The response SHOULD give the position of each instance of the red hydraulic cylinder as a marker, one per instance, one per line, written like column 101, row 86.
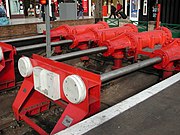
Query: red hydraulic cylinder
column 65, row 30
column 137, row 41
column 100, row 35
column 171, row 58
column 7, row 73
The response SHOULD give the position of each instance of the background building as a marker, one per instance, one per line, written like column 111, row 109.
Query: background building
column 138, row 10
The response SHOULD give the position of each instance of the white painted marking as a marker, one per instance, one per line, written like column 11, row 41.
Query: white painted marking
column 98, row 119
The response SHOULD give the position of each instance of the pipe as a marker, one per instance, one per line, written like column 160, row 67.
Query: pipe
column 23, row 39
column 76, row 54
column 128, row 69
column 37, row 46
column 158, row 16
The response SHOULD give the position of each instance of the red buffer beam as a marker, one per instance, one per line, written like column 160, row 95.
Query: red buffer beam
column 47, row 80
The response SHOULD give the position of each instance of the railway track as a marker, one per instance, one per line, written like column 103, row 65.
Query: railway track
column 109, row 92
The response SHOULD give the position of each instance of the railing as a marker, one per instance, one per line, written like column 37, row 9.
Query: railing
column 142, row 25
column 112, row 22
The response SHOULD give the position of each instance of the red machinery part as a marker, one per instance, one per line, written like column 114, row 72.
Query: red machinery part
column 99, row 35
column 80, row 89
column 138, row 41
column 135, row 42
column 7, row 73
column 117, row 60
column 65, row 30
column 171, row 58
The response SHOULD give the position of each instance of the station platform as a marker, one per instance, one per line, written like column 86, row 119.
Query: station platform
column 154, row 111
column 158, row 115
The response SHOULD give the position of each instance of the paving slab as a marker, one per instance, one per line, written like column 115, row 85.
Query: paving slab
column 158, row 115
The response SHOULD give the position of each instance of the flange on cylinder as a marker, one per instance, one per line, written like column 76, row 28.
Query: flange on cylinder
column 169, row 54
column 168, row 34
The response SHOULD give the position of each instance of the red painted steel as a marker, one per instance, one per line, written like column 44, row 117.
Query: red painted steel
column 65, row 30
column 135, row 42
column 30, row 102
column 171, row 58
column 105, row 10
column 99, row 35
column 117, row 60
column 138, row 41
column 7, row 73
column 158, row 16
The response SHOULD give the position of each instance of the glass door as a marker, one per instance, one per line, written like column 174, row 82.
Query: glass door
column 134, row 10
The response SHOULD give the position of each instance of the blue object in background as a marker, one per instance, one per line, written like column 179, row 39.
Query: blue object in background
column 4, row 21
column 3, row 18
